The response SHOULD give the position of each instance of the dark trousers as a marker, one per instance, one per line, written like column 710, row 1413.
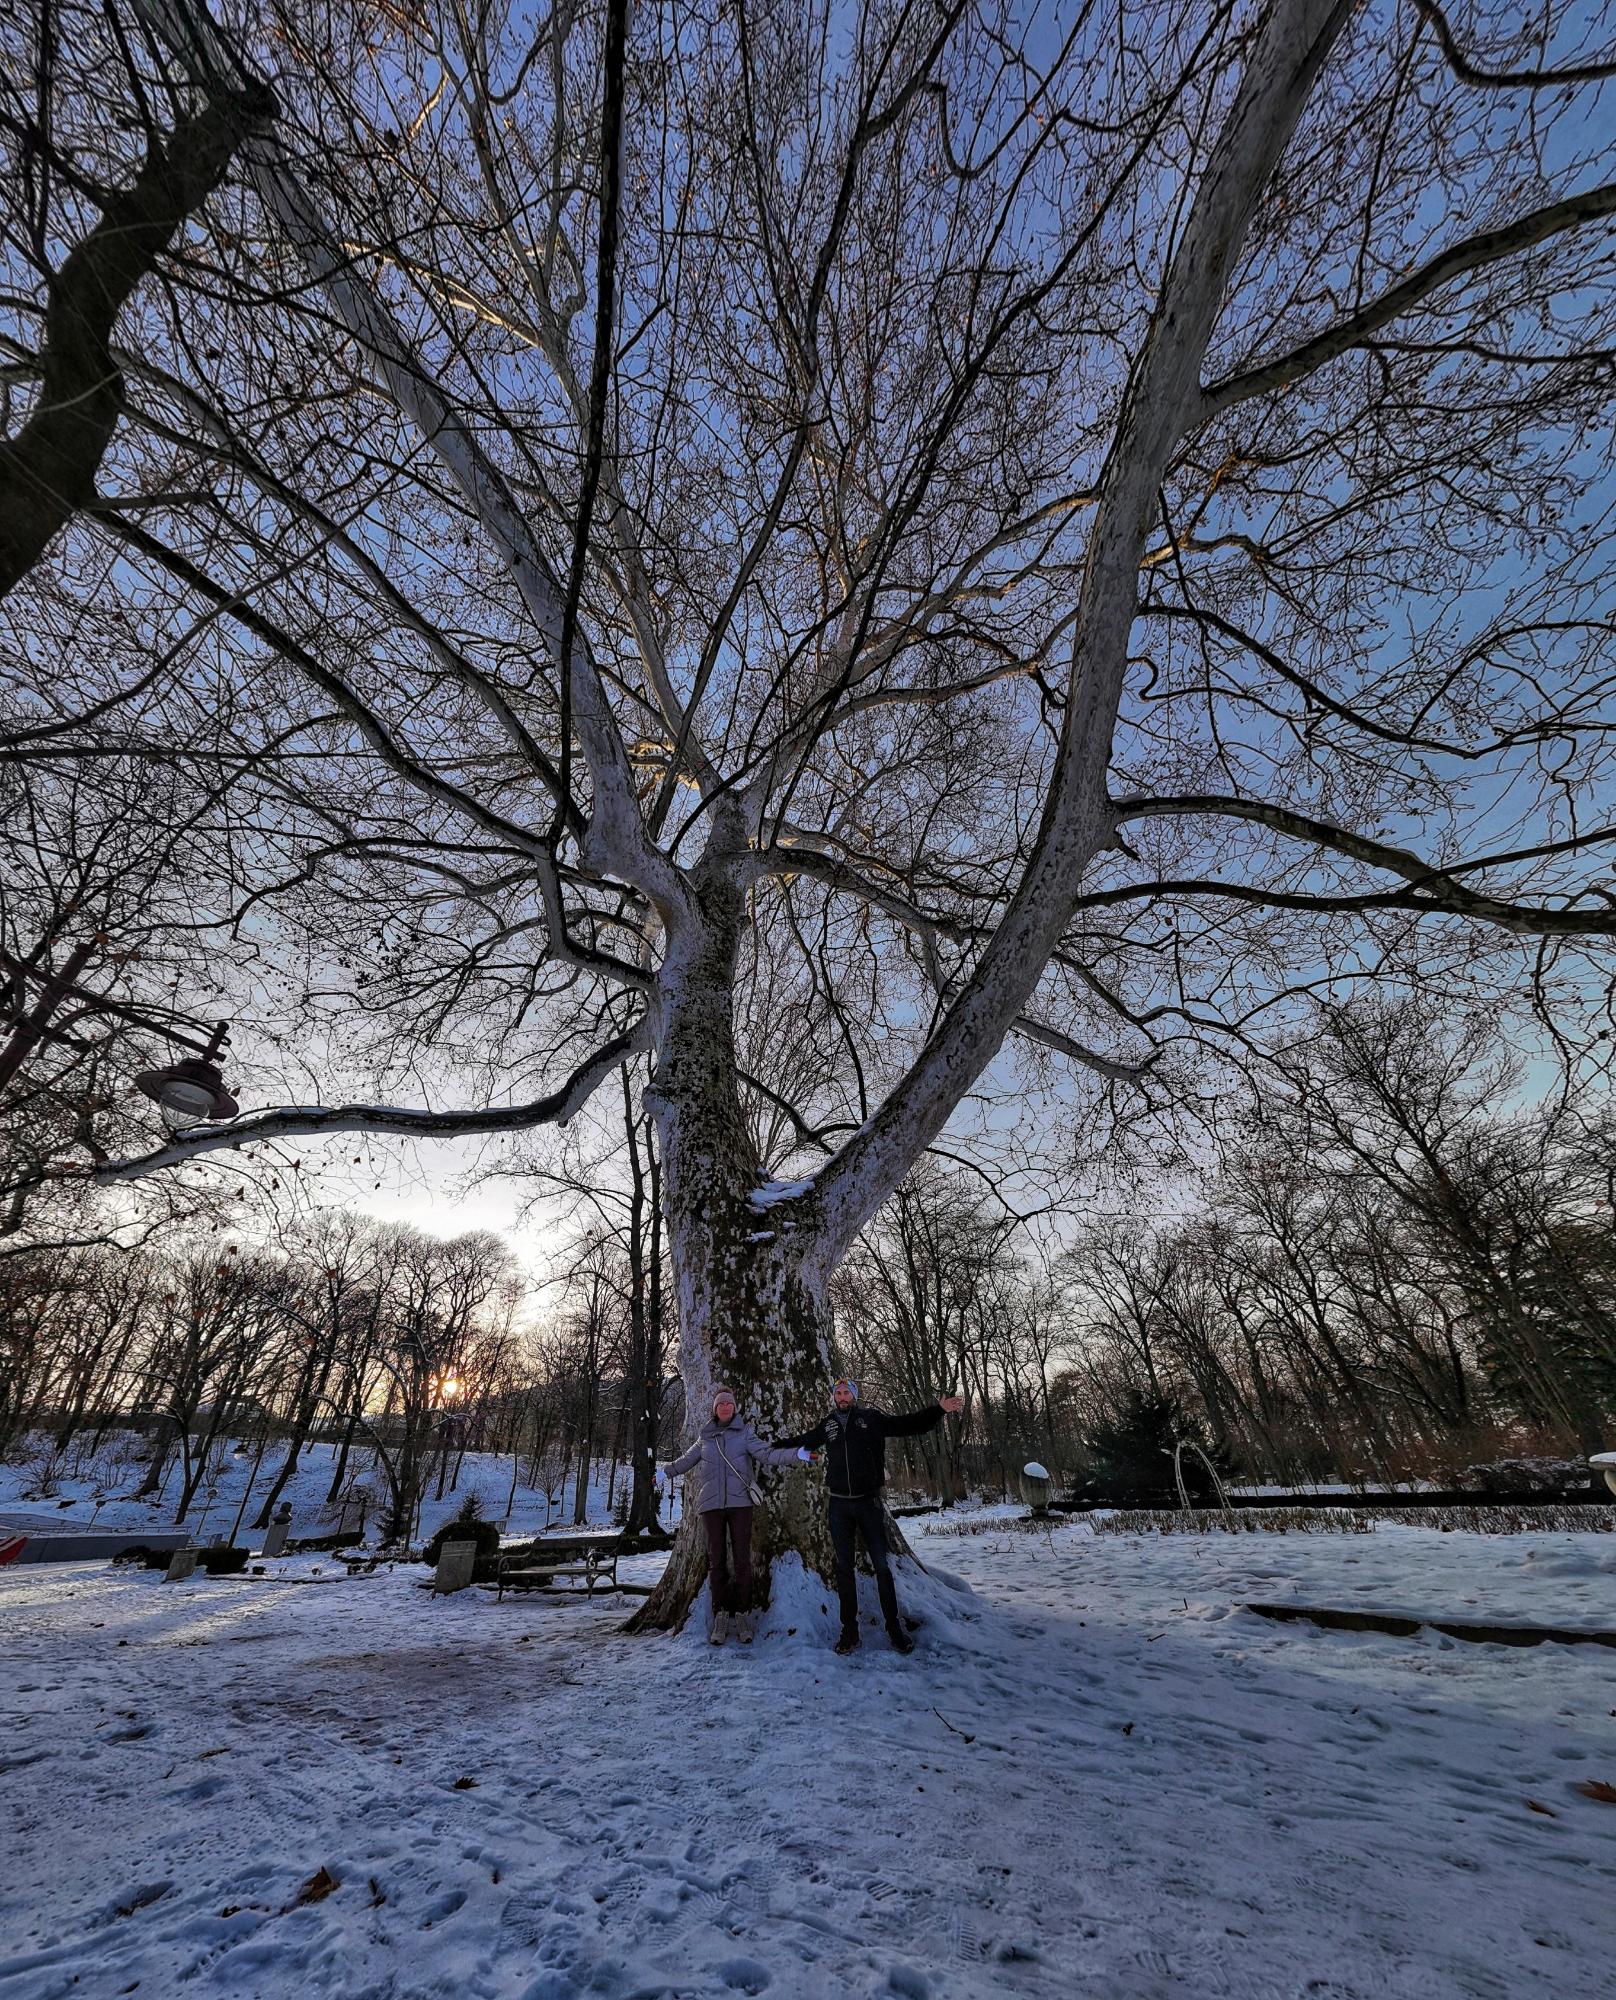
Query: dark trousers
column 730, row 1593
column 848, row 1519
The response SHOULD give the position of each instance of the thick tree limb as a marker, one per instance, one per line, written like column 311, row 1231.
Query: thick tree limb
column 611, row 174
column 1438, row 890
column 315, row 1121
column 1162, row 399
column 48, row 470
column 1473, row 253
column 1110, row 1067
column 1507, row 79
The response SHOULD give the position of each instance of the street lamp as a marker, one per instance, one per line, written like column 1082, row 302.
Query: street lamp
column 190, row 1090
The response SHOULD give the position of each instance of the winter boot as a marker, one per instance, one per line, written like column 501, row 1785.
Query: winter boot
column 743, row 1627
column 899, row 1639
column 849, row 1641
column 718, row 1631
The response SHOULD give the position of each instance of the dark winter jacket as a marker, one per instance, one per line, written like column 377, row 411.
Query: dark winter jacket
column 855, row 1446
column 730, row 1456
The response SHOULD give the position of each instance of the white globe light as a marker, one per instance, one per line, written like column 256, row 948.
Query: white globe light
column 191, row 1100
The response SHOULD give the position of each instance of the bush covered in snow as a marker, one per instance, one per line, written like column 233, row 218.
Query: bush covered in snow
column 467, row 1525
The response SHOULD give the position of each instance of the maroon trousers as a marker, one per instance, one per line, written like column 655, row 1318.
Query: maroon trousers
column 734, row 1524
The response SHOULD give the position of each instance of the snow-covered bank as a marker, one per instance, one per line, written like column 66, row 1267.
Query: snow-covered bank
column 1096, row 1776
column 101, row 1489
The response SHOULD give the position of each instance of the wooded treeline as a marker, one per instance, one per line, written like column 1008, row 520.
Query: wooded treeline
column 402, row 1350
column 1396, row 1270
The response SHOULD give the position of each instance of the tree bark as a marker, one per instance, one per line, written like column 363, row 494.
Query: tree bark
column 751, row 1305
column 340, row 1468
column 48, row 470
column 305, row 1404
column 643, row 1387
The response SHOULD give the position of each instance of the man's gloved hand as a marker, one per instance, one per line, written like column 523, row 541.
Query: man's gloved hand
column 808, row 1457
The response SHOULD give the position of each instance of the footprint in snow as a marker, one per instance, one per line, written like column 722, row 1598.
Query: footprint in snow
column 441, row 1907
column 909, row 1983
column 745, row 1975
column 201, row 1791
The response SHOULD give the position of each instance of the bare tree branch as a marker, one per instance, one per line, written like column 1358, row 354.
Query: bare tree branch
column 48, row 470
column 1285, row 58
column 1473, row 253
column 1507, row 79
column 1439, row 891
column 314, row 1121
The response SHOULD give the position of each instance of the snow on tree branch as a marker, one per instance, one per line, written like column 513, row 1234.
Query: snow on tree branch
column 315, row 1121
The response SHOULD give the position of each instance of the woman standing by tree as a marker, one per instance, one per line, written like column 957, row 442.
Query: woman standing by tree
column 729, row 1453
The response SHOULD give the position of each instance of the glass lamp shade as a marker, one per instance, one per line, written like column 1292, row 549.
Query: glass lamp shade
column 192, row 1090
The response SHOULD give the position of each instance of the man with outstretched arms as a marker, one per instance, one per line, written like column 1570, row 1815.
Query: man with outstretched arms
column 853, row 1441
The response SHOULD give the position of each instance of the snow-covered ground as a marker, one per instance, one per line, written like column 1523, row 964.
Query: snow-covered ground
column 1096, row 1776
column 100, row 1491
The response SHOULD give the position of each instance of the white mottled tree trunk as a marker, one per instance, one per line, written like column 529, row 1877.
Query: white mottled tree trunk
column 750, row 1297
column 751, row 1280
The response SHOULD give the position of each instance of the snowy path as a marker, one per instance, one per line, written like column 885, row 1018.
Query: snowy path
column 1161, row 1795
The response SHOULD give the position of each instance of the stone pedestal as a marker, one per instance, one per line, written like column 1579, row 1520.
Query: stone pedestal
column 456, row 1560
column 181, row 1565
column 275, row 1537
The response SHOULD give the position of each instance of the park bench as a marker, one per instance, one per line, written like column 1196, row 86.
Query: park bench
column 591, row 1559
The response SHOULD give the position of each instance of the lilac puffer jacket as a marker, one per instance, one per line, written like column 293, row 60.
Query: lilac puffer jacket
column 730, row 1456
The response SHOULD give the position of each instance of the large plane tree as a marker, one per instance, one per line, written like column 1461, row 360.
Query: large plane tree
column 843, row 560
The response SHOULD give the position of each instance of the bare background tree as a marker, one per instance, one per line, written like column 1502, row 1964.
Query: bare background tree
column 935, row 574
column 395, row 1351
column 1403, row 1269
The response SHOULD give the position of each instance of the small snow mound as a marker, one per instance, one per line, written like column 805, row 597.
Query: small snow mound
column 1034, row 1470
column 802, row 1608
column 803, row 1619
column 770, row 1192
